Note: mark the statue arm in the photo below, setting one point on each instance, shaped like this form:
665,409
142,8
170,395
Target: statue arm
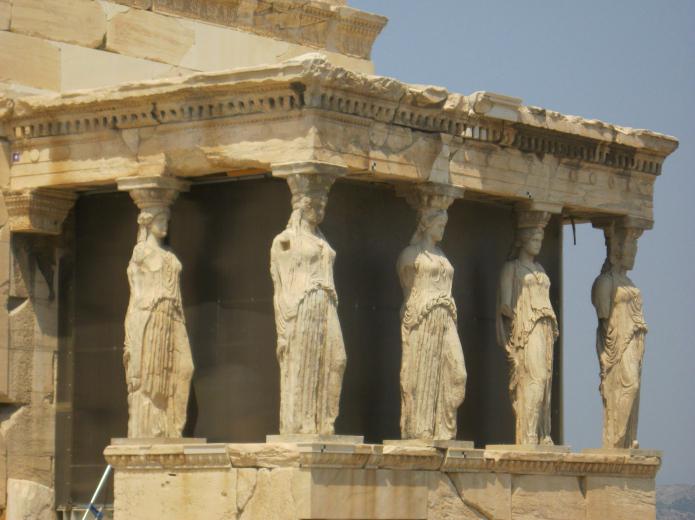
279,248
601,295
505,310
506,291
406,270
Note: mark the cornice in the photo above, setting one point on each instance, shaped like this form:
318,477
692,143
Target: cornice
311,83
380,457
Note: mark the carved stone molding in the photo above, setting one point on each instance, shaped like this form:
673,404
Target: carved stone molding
40,210
315,83
376,456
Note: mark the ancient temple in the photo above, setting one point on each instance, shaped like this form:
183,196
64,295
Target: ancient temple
262,282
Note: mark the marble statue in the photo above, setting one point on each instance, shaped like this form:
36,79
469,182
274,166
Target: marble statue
527,328
157,355
619,338
310,346
433,372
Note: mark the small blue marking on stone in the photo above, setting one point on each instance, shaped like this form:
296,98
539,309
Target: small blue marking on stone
15,156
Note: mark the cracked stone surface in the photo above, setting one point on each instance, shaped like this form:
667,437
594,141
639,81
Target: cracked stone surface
245,486
273,497
445,503
488,493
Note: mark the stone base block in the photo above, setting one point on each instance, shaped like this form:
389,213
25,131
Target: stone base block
374,482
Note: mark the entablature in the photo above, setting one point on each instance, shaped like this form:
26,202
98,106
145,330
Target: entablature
380,129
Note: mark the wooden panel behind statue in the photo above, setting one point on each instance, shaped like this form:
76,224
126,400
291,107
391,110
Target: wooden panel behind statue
619,338
157,353
527,329
310,346
433,372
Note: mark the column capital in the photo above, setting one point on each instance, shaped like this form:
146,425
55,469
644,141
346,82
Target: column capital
429,195
285,170
149,192
551,208
531,218
39,210
622,221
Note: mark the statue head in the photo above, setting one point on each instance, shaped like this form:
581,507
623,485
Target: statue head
529,240
153,221
312,209
621,247
309,198
431,223
530,227
629,241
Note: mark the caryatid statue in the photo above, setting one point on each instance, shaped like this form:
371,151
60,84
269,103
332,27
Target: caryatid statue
433,372
527,329
310,347
619,337
157,354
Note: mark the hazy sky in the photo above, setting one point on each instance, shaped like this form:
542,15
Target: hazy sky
629,62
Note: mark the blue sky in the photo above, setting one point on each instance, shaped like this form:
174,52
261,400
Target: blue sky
629,62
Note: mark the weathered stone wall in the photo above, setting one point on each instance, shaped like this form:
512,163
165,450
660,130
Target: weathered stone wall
28,415
4,295
62,45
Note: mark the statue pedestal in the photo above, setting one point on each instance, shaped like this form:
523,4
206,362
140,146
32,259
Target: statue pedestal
534,448
310,438
373,481
149,441
432,443
625,452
